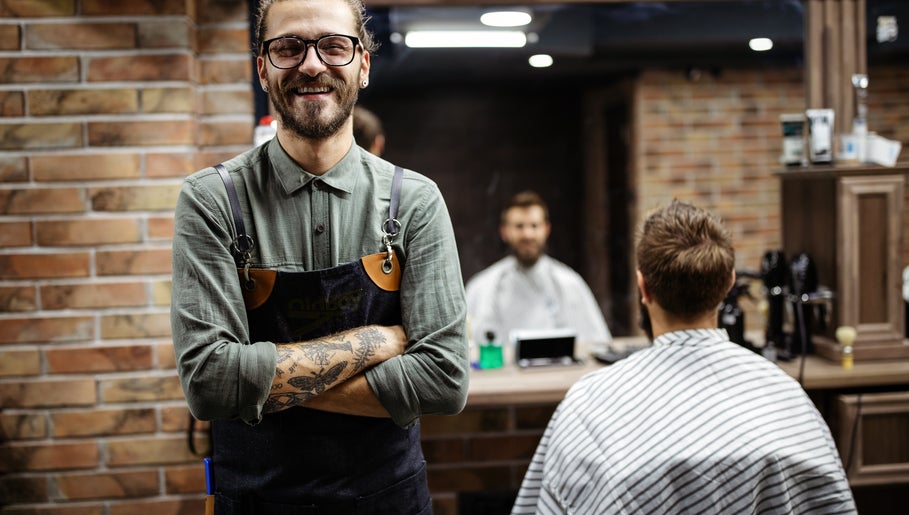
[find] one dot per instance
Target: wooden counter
(511, 385)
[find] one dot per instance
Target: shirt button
(320, 228)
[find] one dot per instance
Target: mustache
(320, 79)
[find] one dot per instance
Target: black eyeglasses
(290, 51)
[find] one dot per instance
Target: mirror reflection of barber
(529, 289)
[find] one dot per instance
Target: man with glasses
(318, 308)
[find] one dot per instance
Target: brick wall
(716, 142)
(105, 106)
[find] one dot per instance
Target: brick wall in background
(105, 106)
(715, 141)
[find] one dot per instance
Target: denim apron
(306, 461)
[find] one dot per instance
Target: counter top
(546, 385)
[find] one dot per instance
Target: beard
(528, 255)
(316, 120)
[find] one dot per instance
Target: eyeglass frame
(315, 44)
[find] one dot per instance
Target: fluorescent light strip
(506, 18)
(465, 39)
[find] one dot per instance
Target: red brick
(138, 262)
(57, 102)
(161, 293)
(40, 136)
(189, 506)
(59, 509)
(167, 34)
(9, 37)
(144, 133)
(64, 233)
(168, 100)
(80, 36)
(136, 7)
(174, 419)
(13, 169)
(23, 70)
(149, 451)
(46, 329)
(36, 8)
(137, 325)
(238, 101)
(159, 228)
(223, 40)
(17, 298)
(165, 67)
(29, 489)
(15, 234)
(44, 266)
(169, 165)
(165, 354)
(33, 201)
(219, 133)
(221, 11)
(73, 360)
(185, 479)
(151, 197)
(93, 295)
(224, 71)
(12, 103)
(19, 362)
(85, 167)
(142, 388)
(49, 456)
(45, 394)
(108, 485)
(23, 426)
(103, 422)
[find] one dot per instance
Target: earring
(265, 88)
(365, 83)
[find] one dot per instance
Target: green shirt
(302, 222)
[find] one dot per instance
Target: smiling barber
(318, 308)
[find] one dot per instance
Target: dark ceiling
(596, 40)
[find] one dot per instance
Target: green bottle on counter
(490, 352)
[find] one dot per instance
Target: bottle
(265, 131)
(490, 353)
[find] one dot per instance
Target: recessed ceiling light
(540, 61)
(506, 18)
(465, 39)
(760, 44)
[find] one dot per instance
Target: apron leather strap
(243, 243)
(390, 226)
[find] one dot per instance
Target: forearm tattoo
(323, 374)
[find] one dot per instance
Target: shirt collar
(692, 337)
(342, 176)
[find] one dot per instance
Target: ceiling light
(506, 18)
(540, 61)
(465, 39)
(760, 44)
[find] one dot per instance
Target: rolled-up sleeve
(223, 374)
(432, 376)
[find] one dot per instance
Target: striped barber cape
(693, 424)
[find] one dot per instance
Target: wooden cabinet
(849, 220)
(873, 437)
